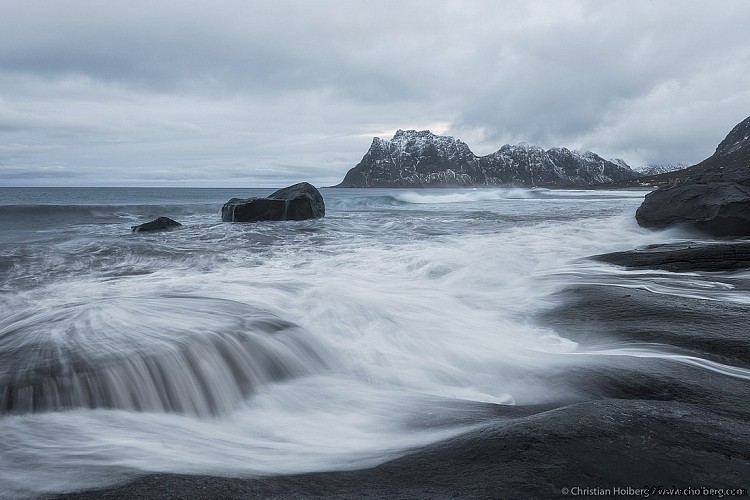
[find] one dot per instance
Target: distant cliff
(422, 159)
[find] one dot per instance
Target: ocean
(234, 349)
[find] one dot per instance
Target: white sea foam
(465, 196)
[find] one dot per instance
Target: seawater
(283, 347)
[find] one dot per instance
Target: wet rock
(681, 257)
(160, 224)
(298, 202)
(718, 207)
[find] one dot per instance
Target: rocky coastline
(663, 430)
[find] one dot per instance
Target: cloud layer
(229, 93)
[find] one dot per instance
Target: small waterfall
(185, 354)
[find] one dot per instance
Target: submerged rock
(160, 224)
(298, 202)
(713, 197)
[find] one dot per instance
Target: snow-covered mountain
(420, 159)
(659, 169)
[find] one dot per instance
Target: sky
(227, 93)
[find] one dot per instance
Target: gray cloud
(267, 93)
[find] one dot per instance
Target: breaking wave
(183, 354)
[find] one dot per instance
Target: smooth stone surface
(692, 256)
(604, 314)
(718, 208)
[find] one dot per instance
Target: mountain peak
(412, 133)
(738, 138)
(413, 158)
(522, 147)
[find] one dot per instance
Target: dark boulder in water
(160, 224)
(715, 207)
(712, 197)
(298, 202)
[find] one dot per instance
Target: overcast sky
(268, 93)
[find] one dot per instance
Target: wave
(43, 215)
(360, 202)
(474, 195)
(404, 197)
(599, 194)
(184, 354)
(497, 194)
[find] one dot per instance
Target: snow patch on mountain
(645, 170)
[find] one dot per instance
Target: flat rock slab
(607, 315)
(683, 257)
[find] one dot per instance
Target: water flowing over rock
(712, 197)
(179, 354)
(160, 224)
(298, 202)
(682, 257)
(420, 158)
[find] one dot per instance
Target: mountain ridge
(422, 159)
(661, 168)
